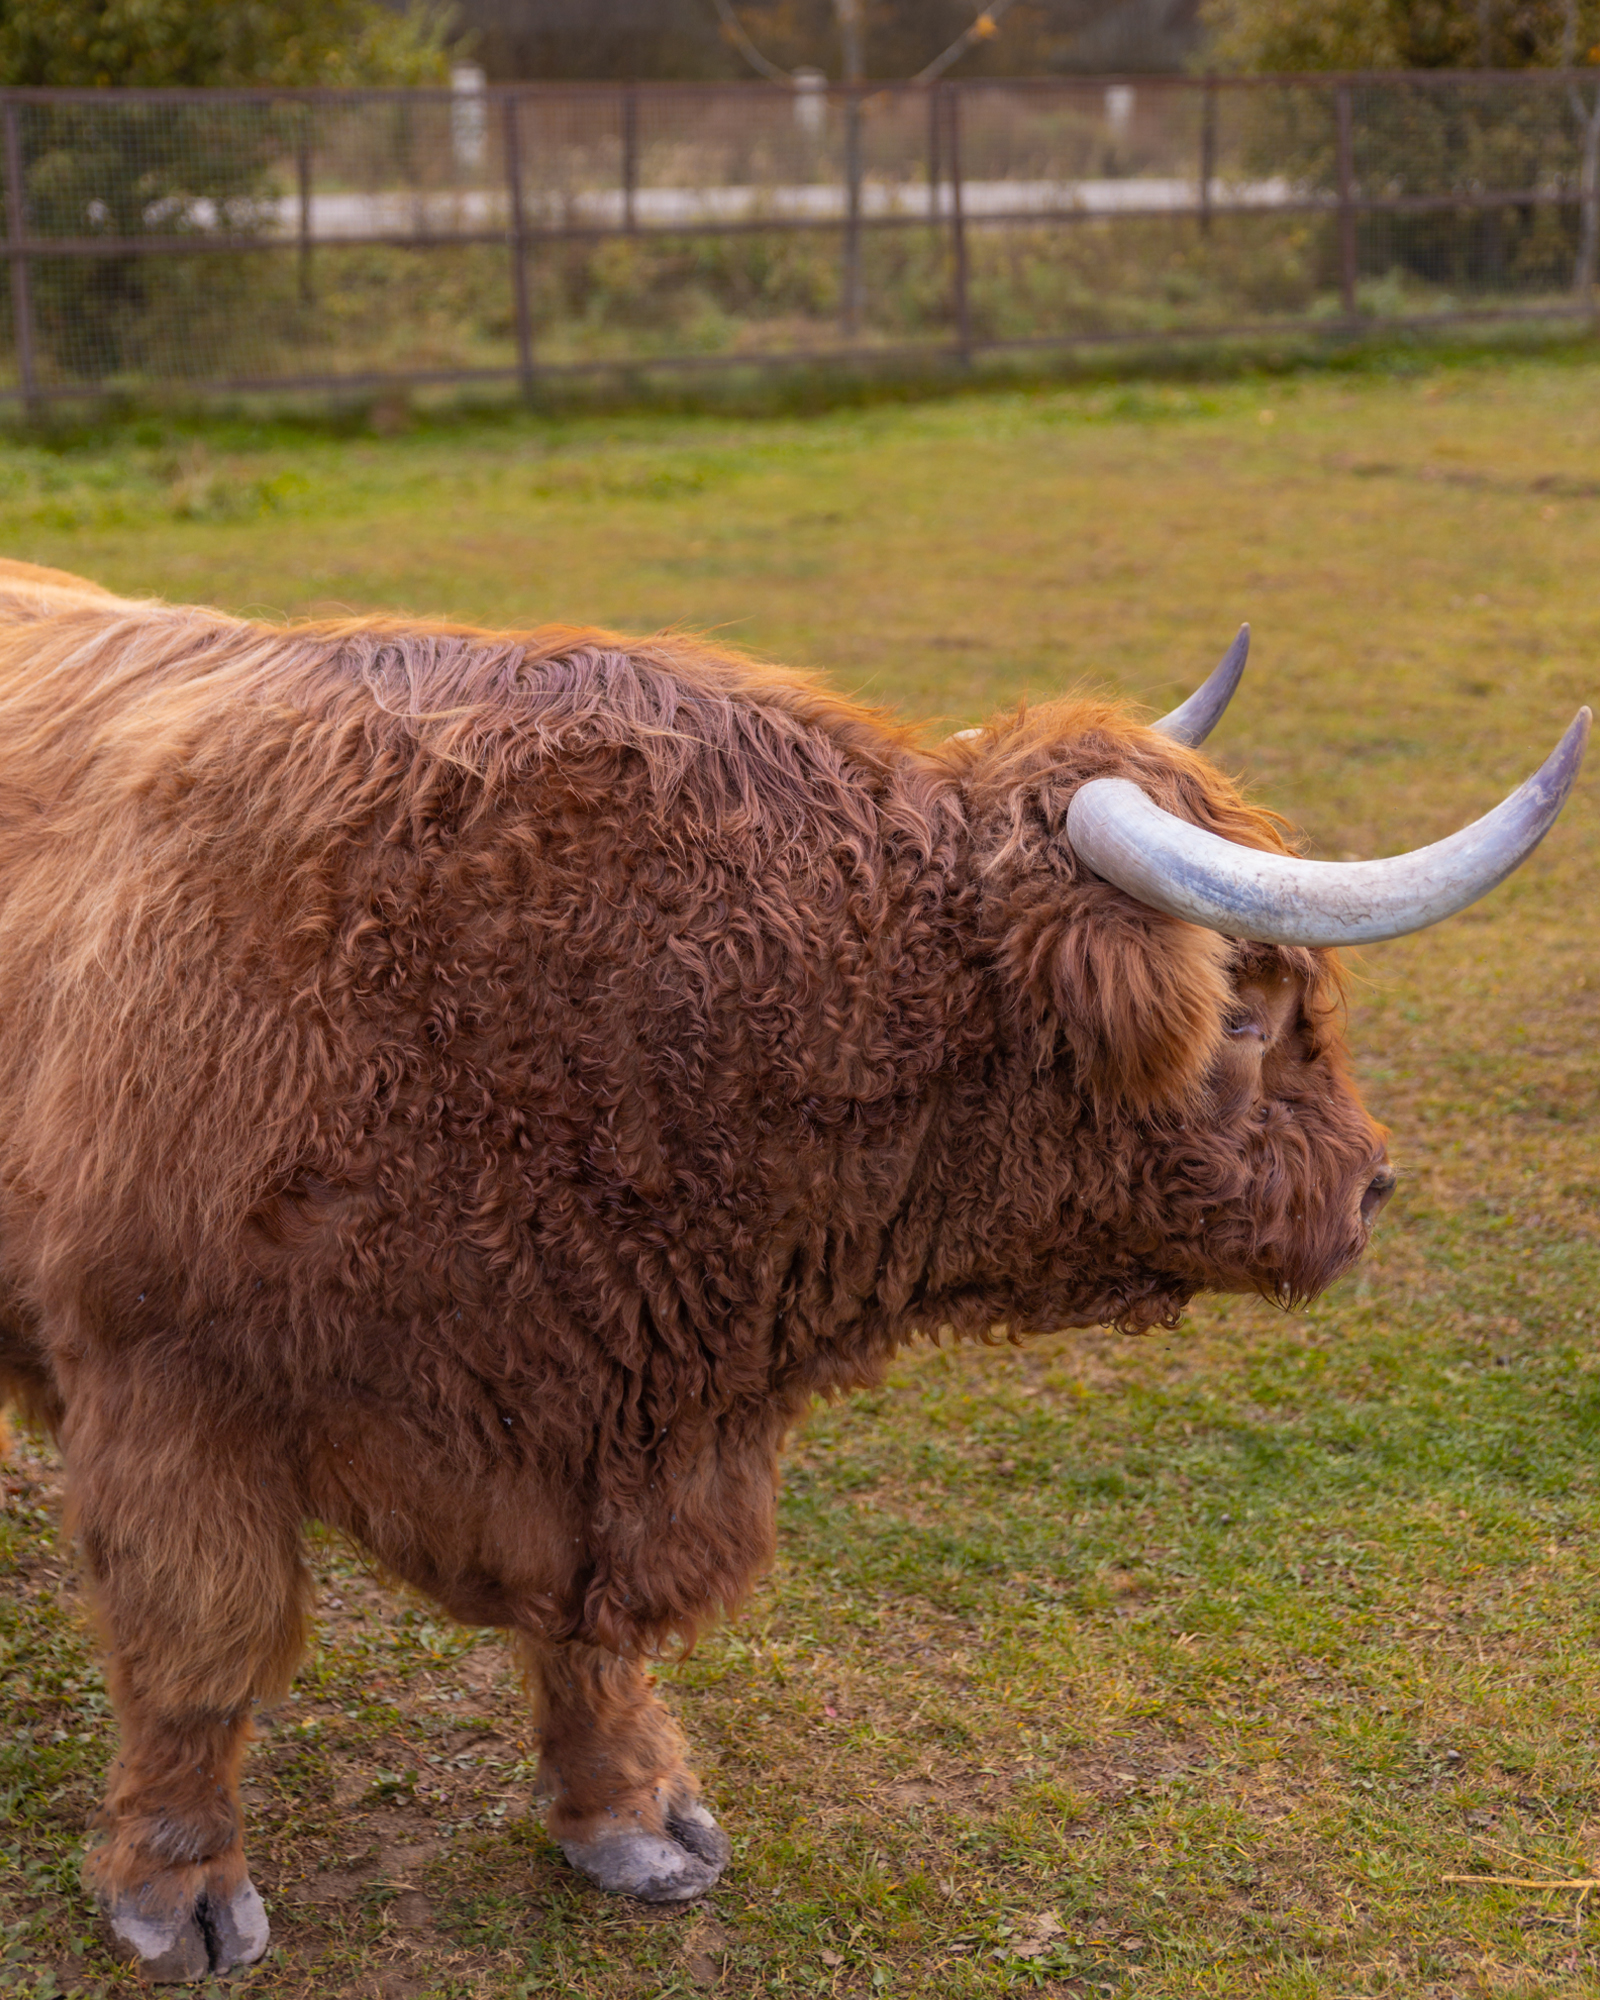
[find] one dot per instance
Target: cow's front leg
(624, 1804)
(191, 1543)
(170, 1871)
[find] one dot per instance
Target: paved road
(346, 215)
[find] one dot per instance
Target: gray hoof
(167, 1951)
(236, 1931)
(693, 1827)
(212, 1937)
(635, 1863)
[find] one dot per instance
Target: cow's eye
(1246, 1029)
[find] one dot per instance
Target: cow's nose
(1379, 1189)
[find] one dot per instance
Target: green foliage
(129, 168)
(1414, 139)
(162, 43)
(1289, 35)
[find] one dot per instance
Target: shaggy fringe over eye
(1140, 999)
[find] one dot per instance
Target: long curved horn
(1180, 868)
(1192, 721)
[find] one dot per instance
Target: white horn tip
(1558, 773)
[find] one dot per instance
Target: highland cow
(477, 1089)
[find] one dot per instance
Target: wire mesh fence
(209, 239)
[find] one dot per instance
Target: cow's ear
(1140, 999)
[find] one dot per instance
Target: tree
(1398, 34)
(123, 168)
(1293, 35)
(162, 43)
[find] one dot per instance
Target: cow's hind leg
(624, 1804)
(191, 1541)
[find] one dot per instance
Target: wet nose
(1379, 1189)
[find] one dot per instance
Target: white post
(811, 102)
(469, 116)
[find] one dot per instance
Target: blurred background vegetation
(683, 38)
(155, 44)
(1400, 34)
(290, 42)
(128, 315)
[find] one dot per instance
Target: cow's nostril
(1379, 1189)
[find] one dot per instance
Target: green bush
(122, 169)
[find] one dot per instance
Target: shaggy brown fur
(477, 1088)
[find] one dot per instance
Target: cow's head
(1184, 1119)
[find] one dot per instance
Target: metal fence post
(1208, 151)
(851, 286)
(1588, 258)
(1344, 124)
(519, 249)
(960, 304)
(303, 174)
(935, 165)
(630, 154)
(16, 236)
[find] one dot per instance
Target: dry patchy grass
(1189, 1666)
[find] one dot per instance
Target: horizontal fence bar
(796, 357)
(589, 232)
(1063, 83)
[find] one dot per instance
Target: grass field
(1196, 1665)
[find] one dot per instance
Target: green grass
(1185, 1666)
